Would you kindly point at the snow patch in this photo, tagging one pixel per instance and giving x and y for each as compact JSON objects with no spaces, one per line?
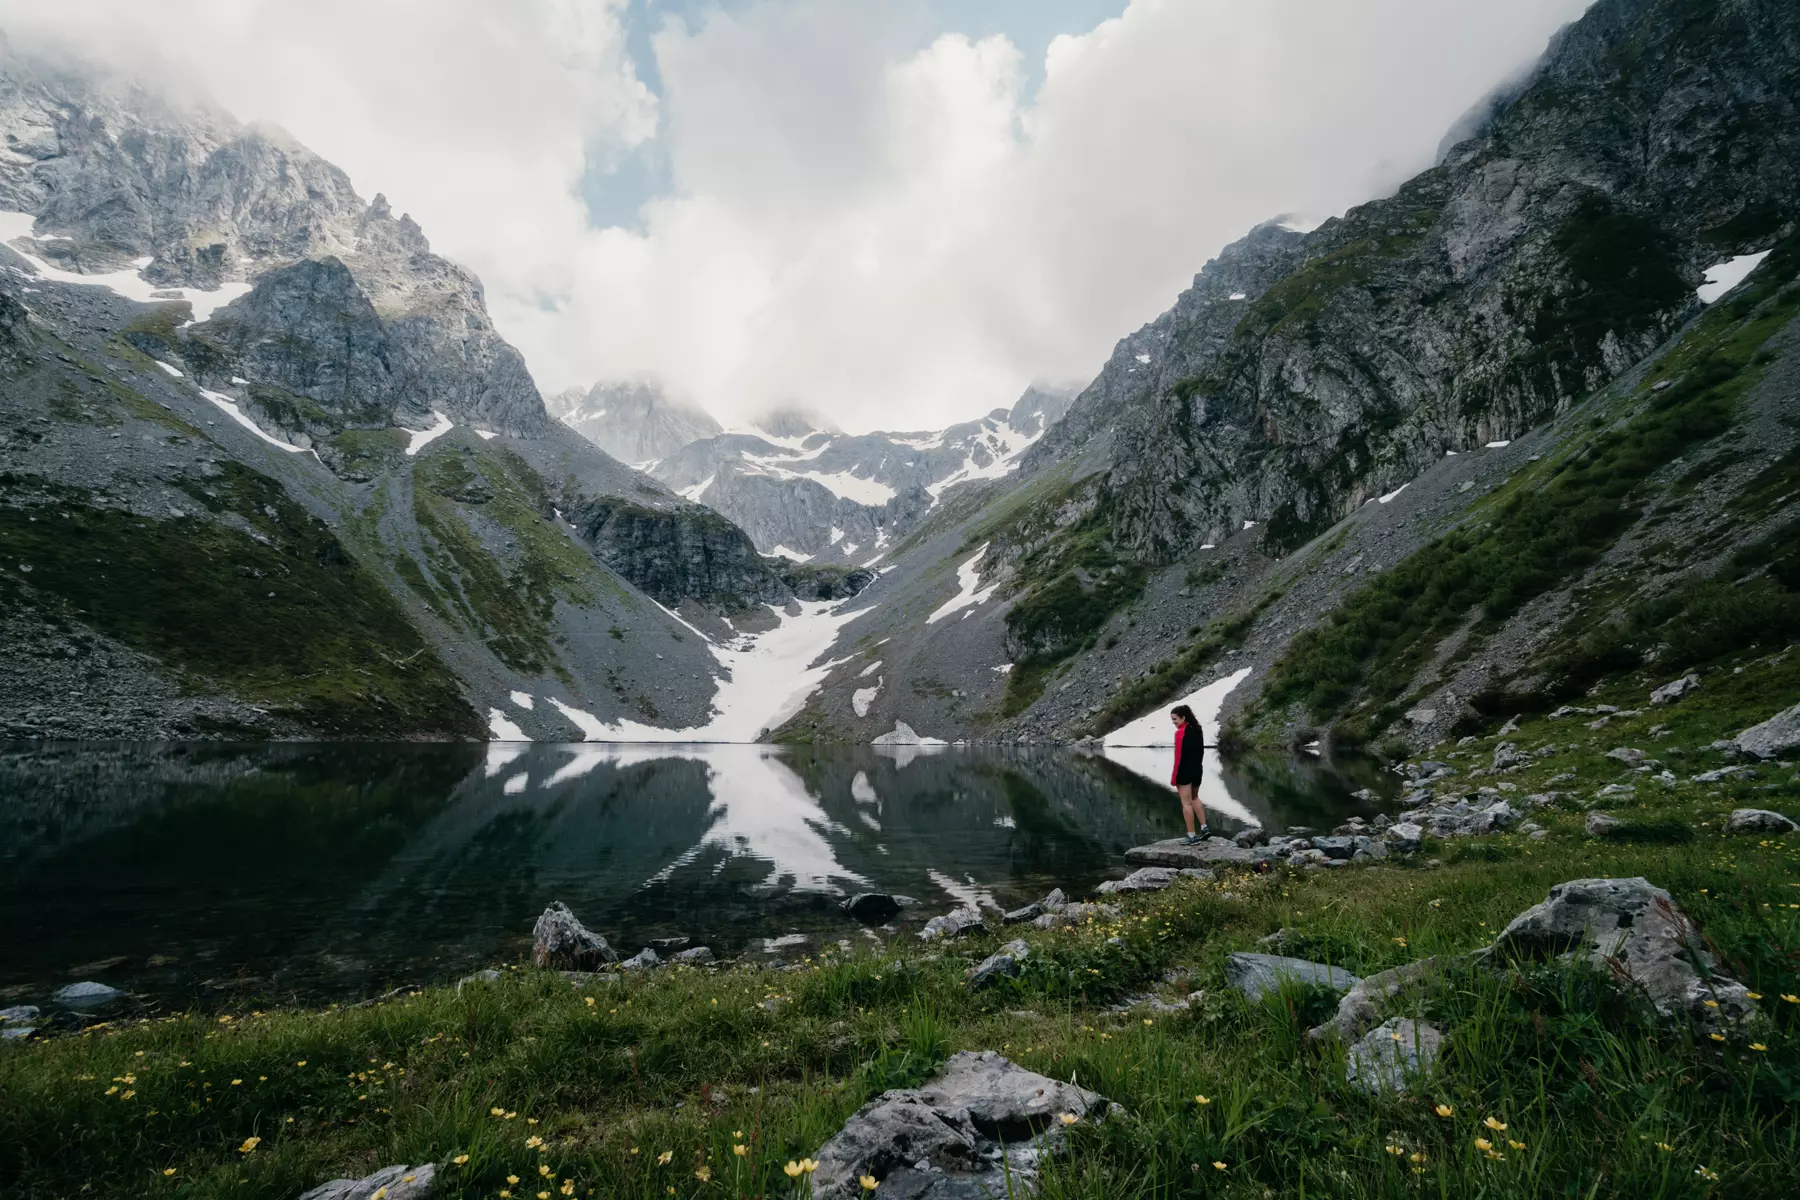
{"x":791,"y":555}
{"x":516,"y":784}
{"x":698,"y":490}
{"x":502,"y":729}
{"x":486,"y":435}
{"x":128,"y":284}
{"x":229,"y":407}
{"x":1144,"y":358}
{"x":522,"y":699}
{"x":968,"y":578}
{"x":1003,"y":669}
{"x":869,"y":670}
{"x":171,"y":370}
{"x":1249,"y":524}
{"x":422,"y":438}
{"x":1498,"y":445}
{"x":1239,"y":296}
{"x":1389,"y":498}
{"x":862,"y":698}
{"x":1721,"y":278}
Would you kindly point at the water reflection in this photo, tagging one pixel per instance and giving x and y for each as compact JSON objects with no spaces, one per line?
{"x":329,"y":871}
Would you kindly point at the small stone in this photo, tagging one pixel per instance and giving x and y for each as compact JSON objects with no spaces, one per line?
{"x":697,"y":956}
{"x":1602,"y":825}
{"x":953,"y":925}
{"x":1626,"y":755}
{"x":1404,"y":836}
{"x":1668,"y":693}
{"x":1005,"y":963}
{"x":1395,"y":1053}
{"x":561,"y":942}
{"x":1257,"y":975}
{"x":643,"y":960}
{"x":392,"y":1183}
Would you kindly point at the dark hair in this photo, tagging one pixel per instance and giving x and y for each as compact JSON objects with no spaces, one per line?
{"x":1186,"y":714}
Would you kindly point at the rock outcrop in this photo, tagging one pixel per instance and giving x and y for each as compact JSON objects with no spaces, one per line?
{"x":561,"y":942}
{"x":1778,"y":735}
{"x":389,"y":1183}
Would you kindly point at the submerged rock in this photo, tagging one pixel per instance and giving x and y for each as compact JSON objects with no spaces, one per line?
{"x":392,"y":1183}
{"x":872,"y":908}
{"x":979,"y":1129}
{"x":1258,"y":975}
{"x":1395,"y":1053}
{"x":560,"y":942}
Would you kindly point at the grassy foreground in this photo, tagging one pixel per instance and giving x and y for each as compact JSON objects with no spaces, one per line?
{"x":647,"y":1086}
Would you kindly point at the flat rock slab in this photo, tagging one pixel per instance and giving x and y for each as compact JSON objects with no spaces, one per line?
{"x":395,"y":1183}
{"x":1759,"y":820}
{"x":1258,"y":975}
{"x":975,"y":1132}
{"x":1177,"y":853}
{"x":1393,"y":1055}
{"x":1151,"y":879}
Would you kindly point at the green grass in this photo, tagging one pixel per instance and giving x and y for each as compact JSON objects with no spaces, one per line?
{"x":691,"y":1063}
{"x":271,"y":608}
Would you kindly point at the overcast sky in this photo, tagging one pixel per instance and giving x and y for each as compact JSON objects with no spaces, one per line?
{"x":899,"y":213}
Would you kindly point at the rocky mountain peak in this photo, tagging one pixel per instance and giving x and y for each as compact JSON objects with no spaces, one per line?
{"x":635,"y":421}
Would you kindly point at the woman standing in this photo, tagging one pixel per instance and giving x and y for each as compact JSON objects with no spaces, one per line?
{"x":1190,"y":758}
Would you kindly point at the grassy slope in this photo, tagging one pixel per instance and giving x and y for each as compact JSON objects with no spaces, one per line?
{"x":692,"y":1063}
{"x":1541,"y":530}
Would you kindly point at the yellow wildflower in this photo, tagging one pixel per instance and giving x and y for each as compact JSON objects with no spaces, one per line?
{"x":1493,"y":1124}
{"x":1443,"y":1110}
{"x":704,"y":1173}
{"x":1515,"y":1145}
{"x":301,"y":1063}
{"x":1483,"y":1144}
{"x":1202,"y":1100}
{"x":167,"y":1171}
{"x":545,"y":1171}
{"x":1396,"y":1151}
{"x":1753,"y":995}
{"x":1218,"y":1166}
{"x":513,"y":1179}
{"x":1068,"y":1118}
{"x":791,"y":1170}
{"x":250,"y":1143}
{"x":533,"y":1142}
{"x":1417,"y":1156}
{"x":740,"y":1150}
{"x":497,"y":1112}
{"x":868,"y":1183}
{"x":1790,"y":998}
{"x":1710,"y":1003}
{"x":1665,"y":1147}
{"x":1758,"y":1046}
{"x":1717,"y":1037}
{"x":235,"y":1082}
{"x":460,"y":1159}
{"x":568,"y":1187}
{"x":662,"y":1160}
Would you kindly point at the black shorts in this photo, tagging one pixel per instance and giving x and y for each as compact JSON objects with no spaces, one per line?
{"x":1188,"y":775}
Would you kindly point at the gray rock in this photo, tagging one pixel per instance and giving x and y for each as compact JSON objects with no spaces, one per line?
{"x":954,"y":924}
{"x":18,"y":1012}
{"x":1052,"y":903}
{"x":394,"y":1183}
{"x":1005,"y":963}
{"x":1719,"y":774}
{"x":1177,"y":853}
{"x":16,"y":1033}
{"x":1668,"y":693}
{"x":1335,"y":847}
{"x":668,"y":945}
{"x":1633,"y":931}
{"x":1249,"y":836}
{"x":1506,"y":754}
{"x":1602,"y":825}
{"x":1775,"y":737}
{"x":560,"y":942}
{"x":697,"y":956}
{"x":872,"y":908}
{"x":1258,"y":975}
{"x":1615,"y":791}
{"x":1758,"y":820}
{"x":786,"y":942}
{"x":1361,"y":1008}
{"x":86,"y":994}
{"x":489,"y":975}
{"x":1395,"y":1054}
{"x":1626,"y":755}
{"x":1151,"y":879}
{"x":1405,"y":836}
{"x":643,"y":960}
{"x":979,"y":1130}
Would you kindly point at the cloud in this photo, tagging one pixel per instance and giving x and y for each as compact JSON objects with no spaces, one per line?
{"x":896,"y":231}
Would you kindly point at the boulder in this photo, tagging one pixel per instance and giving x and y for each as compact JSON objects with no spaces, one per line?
{"x":1404,"y":836}
{"x":643,"y":960}
{"x":1053,"y":903}
{"x":1626,"y":755}
{"x":1773,"y":738}
{"x":393,"y":1183}
{"x":1175,"y":852}
{"x":1601,"y":824}
{"x":1506,"y":754}
{"x":1758,"y":820}
{"x":1335,"y":847}
{"x":980,"y":1129}
{"x":1361,"y":1008}
{"x":86,"y":994}
{"x":1668,"y":693}
{"x":1633,"y":931}
{"x":1716,"y":776}
{"x":560,"y":942}
{"x":1151,"y":879}
{"x":1249,"y":836}
{"x":1258,"y":975}
{"x":872,"y":908}
{"x":697,"y":956}
{"x":953,"y":925}
{"x":1394,"y":1054}
{"x":1005,"y":963}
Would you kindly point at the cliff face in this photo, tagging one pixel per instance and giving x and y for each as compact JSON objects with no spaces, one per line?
{"x":1303,"y":373}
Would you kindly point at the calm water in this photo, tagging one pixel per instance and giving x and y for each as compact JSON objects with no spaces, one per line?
{"x":206,"y":874}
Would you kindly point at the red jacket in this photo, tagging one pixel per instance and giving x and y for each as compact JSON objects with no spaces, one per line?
{"x":1180,"y":732}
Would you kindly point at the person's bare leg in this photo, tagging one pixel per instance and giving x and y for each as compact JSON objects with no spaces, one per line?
{"x":1188,"y":802}
{"x":1199,"y":808}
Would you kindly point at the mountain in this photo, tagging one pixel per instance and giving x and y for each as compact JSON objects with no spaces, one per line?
{"x":269,"y":469}
{"x":806,"y":491}
{"x":1390,"y":465}
{"x":635,"y":422}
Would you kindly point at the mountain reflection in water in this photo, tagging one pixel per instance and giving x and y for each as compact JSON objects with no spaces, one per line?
{"x":191,"y":871}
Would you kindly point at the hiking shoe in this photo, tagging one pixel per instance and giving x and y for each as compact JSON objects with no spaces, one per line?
{"x":1192,"y":839}
{"x":1205,"y":832}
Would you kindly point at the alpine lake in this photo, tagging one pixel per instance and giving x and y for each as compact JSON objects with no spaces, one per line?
{"x":199,"y":875}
